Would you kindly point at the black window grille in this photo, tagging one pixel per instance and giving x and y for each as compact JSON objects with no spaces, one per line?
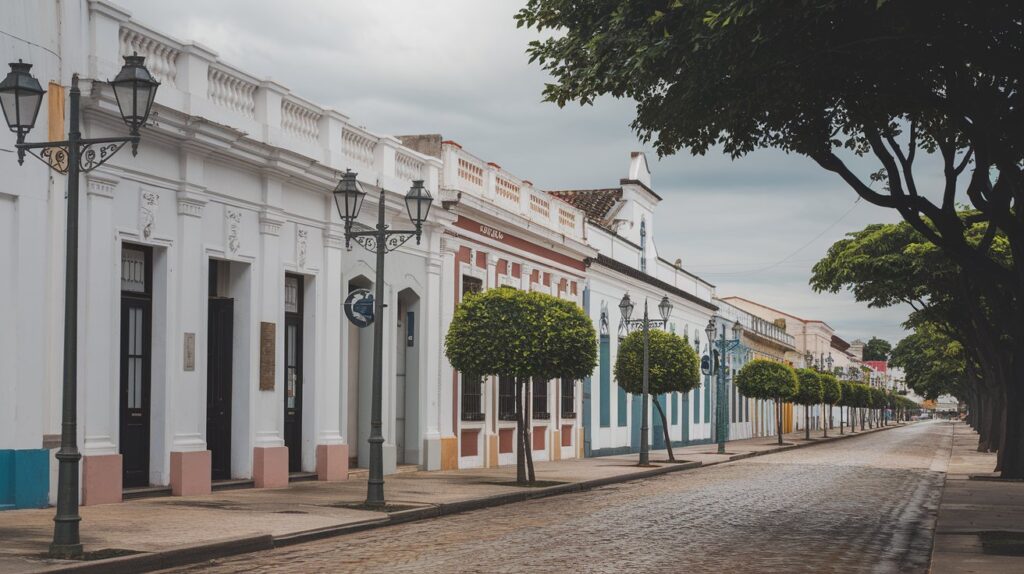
{"x":506,"y":399}
{"x":471,"y":285}
{"x":540,"y":400}
{"x":568,"y":399}
{"x":472,"y":398}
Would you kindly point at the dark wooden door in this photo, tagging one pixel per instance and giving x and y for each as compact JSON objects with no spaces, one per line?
{"x":218,"y":385}
{"x":135,"y":388}
{"x":293,"y":372}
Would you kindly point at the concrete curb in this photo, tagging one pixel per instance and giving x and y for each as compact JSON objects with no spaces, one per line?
{"x":172,"y":557}
{"x":181,"y":556}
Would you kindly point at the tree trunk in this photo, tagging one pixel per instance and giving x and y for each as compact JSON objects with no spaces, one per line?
{"x":807,"y":422}
{"x":1012,"y":451}
{"x":520,"y":426}
{"x":532,"y":475}
{"x":778,"y":418}
{"x":664,"y":426}
{"x":826,"y":420}
{"x":841,"y":420}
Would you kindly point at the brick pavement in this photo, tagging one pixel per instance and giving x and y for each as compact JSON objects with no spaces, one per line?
{"x":863,"y":505}
{"x":162,"y":524}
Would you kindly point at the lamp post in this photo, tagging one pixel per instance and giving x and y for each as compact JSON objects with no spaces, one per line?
{"x":665,"y":310}
{"x":21,"y":97}
{"x":349,"y":195}
{"x":725,"y":346}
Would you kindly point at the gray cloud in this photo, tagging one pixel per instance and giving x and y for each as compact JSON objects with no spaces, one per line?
{"x":459,"y":67}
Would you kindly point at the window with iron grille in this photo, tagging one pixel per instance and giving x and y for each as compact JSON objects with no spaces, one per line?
{"x":540,"y":400}
{"x":568,"y":399}
{"x":506,"y":399}
{"x":472,"y":398}
{"x":471,"y":285}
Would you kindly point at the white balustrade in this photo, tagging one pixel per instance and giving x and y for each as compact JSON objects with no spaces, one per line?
{"x":231,"y":91}
{"x":358,"y":146}
{"x":408,"y":166}
{"x":468,"y":174}
{"x":161,"y":58}
{"x":300,"y":120}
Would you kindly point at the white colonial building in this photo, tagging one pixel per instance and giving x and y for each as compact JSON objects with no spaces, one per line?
{"x":212,"y":343}
{"x":621,"y":229}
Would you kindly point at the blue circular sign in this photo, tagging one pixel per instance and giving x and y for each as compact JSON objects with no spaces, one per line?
{"x":705,"y":365}
{"x":359,"y":307}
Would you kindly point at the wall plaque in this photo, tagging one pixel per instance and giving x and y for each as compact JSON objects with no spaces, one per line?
{"x":190,"y":351}
{"x":268,"y":356}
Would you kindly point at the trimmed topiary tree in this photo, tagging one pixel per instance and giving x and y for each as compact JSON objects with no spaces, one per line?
{"x":520,"y":336}
{"x":831,"y":392}
{"x":846,"y":399}
{"x":768,"y":380}
{"x":672,"y":367}
{"x":808,"y":393}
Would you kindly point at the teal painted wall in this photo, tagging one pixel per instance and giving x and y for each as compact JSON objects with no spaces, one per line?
{"x":605,"y":382}
{"x":623,"y":400}
{"x":24,"y":478}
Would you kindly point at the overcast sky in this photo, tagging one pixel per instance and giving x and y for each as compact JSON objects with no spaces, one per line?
{"x":752,"y":227}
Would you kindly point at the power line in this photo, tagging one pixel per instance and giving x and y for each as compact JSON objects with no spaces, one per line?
{"x":798,"y":250}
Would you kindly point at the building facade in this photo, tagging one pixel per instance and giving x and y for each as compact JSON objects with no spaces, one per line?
{"x":621,"y":228}
{"x":213,"y":268}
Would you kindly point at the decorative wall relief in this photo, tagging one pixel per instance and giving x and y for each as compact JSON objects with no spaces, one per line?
{"x":232,"y":230}
{"x":148,"y":205}
{"x":301,"y":246}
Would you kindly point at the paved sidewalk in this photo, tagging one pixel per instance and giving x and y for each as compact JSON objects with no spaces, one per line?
{"x":161,"y":532}
{"x":980,"y":528}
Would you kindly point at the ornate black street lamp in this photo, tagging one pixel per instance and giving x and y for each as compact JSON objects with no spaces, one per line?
{"x":665,"y":310}
{"x":348,"y":196}
{"x":725,"y":346}
{"x":21,"y":97}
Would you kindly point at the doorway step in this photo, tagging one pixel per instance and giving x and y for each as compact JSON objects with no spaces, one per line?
{"x":232,"y":484}
{"x":137,"y":492}
{"x":301,"y":477}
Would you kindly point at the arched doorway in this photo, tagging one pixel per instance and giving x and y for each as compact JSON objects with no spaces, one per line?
{"x":407,"y":375}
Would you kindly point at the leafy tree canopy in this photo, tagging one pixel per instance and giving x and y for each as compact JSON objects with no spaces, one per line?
{"x":567,"y":339}
{"x":831,"y":392}
{"x":764,"y":379}
{"x":494,"y":333}
{"x":877,"y":349}
{"x":672,"y":363}
{"x":809,"y":390}
{"x":847,"y":394}
{"x":893,"y":80}
{"x":932,"y":362}
{"x":514,"y":333}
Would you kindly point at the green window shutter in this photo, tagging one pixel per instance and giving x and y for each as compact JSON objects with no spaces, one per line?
{"x":605,"y":382}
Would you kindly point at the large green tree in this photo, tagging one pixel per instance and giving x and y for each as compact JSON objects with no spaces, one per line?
{"x":886,"y":264}
{"x":672,"y":367}
{"x":877,"y":349}
{"x":520,"y":336}
{"x":768,"y":380}
{"x":831,"y":392}
{"x":889,"y":81}
{"x":808,"y":394}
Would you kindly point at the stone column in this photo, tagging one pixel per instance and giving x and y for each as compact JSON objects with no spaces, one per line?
{"x":446,"y":388}
{"x":270,"y":456}
{"x":186,"y":391}
{"x":99,"y":346}
{"x":490,"y":392}
{"x":432,"y":303}
{"x":331,"y":450}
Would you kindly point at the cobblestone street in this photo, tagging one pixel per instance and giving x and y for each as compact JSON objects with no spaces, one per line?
{"x":866,"y":504}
